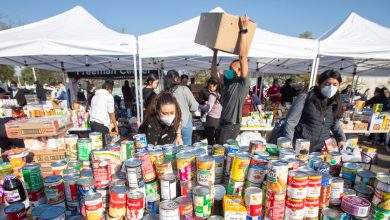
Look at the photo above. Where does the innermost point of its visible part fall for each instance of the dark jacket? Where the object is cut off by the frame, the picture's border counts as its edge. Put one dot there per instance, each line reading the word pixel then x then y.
pixel 288 93
pixel 41 93
pixel 378 99
pixel 204 95
pixel 158 133
pixel 20 98
pixel 304 120
pixel 148 95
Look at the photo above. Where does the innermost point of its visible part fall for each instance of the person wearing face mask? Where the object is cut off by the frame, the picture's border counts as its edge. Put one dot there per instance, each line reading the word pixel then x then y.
pixel 16 93
pixel 102 110
pixel 162 123
pixel 148 92
pixel 236 86
pixel 314 115
pixel 274 92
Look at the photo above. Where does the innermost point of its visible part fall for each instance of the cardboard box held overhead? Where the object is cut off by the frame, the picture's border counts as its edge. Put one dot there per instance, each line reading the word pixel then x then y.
pixel 221 31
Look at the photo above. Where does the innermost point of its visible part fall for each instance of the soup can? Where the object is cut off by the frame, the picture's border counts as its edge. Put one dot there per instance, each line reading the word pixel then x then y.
pixel 147 166
pixel 364 191
pixel 349 170
pixel 168 186
pixel 186 165
pixel 205 170
pixel 85 185
pixel 235 188
pixel 58 166
pixel 117 205
pixel 185 207
pixel 240 167
pixel 54 212
pixel 152 203
pixel 218 149
pixel 297 185
pixel 156 155
pixel 382 182
pixel 283 142
pixel 135 205
pixel 97 140
pixel 356 206
pixel 70 186
pixel 84 148
pixel 314 184
pixel 101 172
pixel 336 191
pixel 54 189
pixel 255 145
pixel 37 197
pixel 302 147
pixel 253 200
pixel 15 211
pixel 134 172
pixel 365 177
pixel 325 190
pixel 71 146
pixel 219 168
pixel 32 177
pixel 277 176
pixel 127 150
pixel 202 201
pixel 169 210
pixel 94 206
pixel 295 208
pixel 286 153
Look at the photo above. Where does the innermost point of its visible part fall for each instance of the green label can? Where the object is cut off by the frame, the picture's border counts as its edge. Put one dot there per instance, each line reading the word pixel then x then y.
pixel 127 150
pixel 152 187
pixel 84 147
pixel 32 177
pixel 202 201
pixel 74 164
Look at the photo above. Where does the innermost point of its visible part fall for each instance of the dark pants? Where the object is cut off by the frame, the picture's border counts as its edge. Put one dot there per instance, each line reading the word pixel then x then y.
pixel 212 124
pixel 97 127
pixel 228 131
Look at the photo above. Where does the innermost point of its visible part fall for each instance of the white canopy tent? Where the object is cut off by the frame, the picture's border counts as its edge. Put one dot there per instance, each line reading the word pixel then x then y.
pixel 357 45
pixel 69 42
pixel 174 48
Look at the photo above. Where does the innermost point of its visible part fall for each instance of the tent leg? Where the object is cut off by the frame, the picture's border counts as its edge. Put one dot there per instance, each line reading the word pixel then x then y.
pixel 313 74
pixel 136 86
pixel 141 104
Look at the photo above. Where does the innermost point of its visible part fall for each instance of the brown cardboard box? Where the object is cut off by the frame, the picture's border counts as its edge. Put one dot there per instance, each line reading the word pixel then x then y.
pixel 358 125
pixel 45 158
pixel 221 31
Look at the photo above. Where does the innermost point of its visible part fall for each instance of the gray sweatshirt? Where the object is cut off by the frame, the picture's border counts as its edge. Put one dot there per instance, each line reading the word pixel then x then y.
pixel 186 101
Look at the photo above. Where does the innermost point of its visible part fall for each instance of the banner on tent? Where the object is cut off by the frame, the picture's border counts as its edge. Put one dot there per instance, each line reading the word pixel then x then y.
pixel 108 73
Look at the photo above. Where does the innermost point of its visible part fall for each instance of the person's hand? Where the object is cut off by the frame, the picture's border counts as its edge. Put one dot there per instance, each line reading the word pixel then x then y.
pixel 179 140
pixel 244 21
pixel 116 129
pixel 342 144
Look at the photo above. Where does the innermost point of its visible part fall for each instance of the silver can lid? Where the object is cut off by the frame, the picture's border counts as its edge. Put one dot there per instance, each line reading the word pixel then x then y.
pixel 52 213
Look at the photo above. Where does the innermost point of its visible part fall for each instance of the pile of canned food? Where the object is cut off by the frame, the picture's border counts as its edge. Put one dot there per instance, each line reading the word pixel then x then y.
pixel 134 180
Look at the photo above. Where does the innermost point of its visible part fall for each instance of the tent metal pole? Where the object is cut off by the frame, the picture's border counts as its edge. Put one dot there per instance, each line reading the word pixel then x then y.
pixel 314 69
pixel 136 85
pixel 141 104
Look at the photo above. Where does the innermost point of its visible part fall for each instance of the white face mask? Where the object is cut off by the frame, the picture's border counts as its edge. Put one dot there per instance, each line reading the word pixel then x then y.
pixel 329 91
pixel 167 120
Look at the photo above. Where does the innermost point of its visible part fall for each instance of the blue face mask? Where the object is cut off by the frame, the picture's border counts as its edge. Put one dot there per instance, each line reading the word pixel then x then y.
pixel 229 74
pixel 13 88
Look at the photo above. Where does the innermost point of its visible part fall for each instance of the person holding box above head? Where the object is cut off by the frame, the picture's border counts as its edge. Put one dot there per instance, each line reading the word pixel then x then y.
pixel 236 86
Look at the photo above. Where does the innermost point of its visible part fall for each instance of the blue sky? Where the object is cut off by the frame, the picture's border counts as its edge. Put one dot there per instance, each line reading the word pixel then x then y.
pixel 289 17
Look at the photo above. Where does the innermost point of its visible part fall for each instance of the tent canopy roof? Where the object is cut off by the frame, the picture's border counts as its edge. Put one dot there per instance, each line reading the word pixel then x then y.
pixel 71 41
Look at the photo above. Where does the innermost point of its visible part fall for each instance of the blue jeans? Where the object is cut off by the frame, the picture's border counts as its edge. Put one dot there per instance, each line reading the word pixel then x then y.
pixel 186 132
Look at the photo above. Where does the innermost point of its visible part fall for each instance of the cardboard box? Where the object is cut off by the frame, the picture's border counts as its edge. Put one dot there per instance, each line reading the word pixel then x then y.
pixel 234 207
pixel 221 31
pixel 386 123
pixel 45 158
pixel 38 127
pixel 376 122
pixel 358 125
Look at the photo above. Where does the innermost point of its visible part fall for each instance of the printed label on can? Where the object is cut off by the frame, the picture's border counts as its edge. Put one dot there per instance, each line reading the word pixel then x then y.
pixel 314 186
pixel 94 209
pixel 147 167
pixel 117 205
pixel 101 172
pixel 37 198
pixel 186 168
pixel 239 168
pixel 295 208
pixel 256 173
pixel 135 208
pixel 297 186
pixel 55 192
pixel 311 208
pixel 274 209
pixel 202 205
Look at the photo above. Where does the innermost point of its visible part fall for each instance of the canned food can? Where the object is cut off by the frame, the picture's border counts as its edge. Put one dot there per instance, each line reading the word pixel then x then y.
pixel 218 149
pixel 84 148
pixel 274 206
pixel 71 146
pixel 302 147
pixel 37 197
pixel 349 170
pixel 127 150
pixel 297 185
pixel 334 160
pixel 379 213
pixel 186 165
pixel 140 141
pixel 135 205
pixel 219 168
pixel 32 177
pixel 273 151
pixel 105 197
pixel 364 191
pixel 253 201
pixel 313 161
pixel 347 184
pixel 186 187
pixel 101 172
pixel 325 190
pixel 72 208
pixel 205 170
pixel 293 164
pixel 314 184
pixel 220 192
pixel 258 160
pixel 97 140
pixel 134 172
pixel 235 188
pixel 255 145
pixel 202 201
pixel 349 192
pixel 86 172
pixel 70 186
pixel 152 187
pixel 117 205
pixel 74 164
pixel 336 191
pixel 381 200
pixel 256 174
pixel 216 217
pixel 169 210
pixel 365 177
pixel 228 167
pixel 356 206
pixel 295 208
pixel 240 167
pixel 185 207
pixel 152 203
pixel 382 182
pixel 157 156
pixel 277 176
pixel 37 211
pixel 311 208
pixel 168 186
pixel 322 167
pixel 71 172
pixel 58 166
pixel 53 213
pixel 94 206
pixel 286 153
pixel 15 211
pixel 332 214
pixel 85 185
pixel 283 142
pixel 147 166
pixel 54 189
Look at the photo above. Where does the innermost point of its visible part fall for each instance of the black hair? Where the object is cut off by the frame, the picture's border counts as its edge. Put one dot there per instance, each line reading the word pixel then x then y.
pixel 321 102
pixel 276 79
pixel 2 90
pixel 214 81
pixel 184 76
pixel 126 82
pixel 151 78
pixel 108 85
pixel 170 83
pixel 15 83
pixel 288 81
pixel 382 92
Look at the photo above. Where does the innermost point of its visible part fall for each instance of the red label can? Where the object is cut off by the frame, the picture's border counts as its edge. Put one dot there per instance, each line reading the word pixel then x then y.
pixel 274 209
pixel 101 172
pixel 117 205
pixel 314 184
pixel 70 185
pixel 147 166
pixel 324 198
pixel 295 208
pixel 37 197
pixel 311 208
pixel 297 185
pixel 135 205
pixel 16 211
pixel 185 207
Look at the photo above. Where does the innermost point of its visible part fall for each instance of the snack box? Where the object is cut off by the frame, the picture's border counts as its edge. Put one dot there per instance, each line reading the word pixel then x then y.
pixel 234 207
pixel 221 31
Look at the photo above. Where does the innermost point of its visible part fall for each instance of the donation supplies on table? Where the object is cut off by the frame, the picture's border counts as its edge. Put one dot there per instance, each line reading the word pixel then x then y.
pixel 366 119
pixel 257 120
pixel 135 180
pixel 10 108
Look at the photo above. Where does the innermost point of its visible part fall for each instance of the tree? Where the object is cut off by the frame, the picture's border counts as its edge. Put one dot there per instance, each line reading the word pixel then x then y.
pixel 306 35
pixel 27 77
pixel 43 76
pixel 7 73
